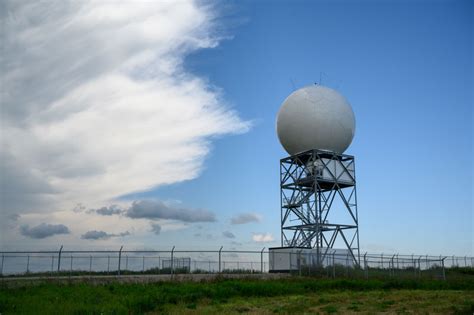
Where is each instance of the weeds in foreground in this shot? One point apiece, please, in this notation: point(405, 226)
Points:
point(242, 296)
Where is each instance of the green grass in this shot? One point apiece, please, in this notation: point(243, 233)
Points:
point(289, 296)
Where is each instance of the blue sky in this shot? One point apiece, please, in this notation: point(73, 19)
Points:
point(406, 68)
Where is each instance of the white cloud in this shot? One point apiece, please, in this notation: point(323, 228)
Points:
point(263, 238)
point(96, 103)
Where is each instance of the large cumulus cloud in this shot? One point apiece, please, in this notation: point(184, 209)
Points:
point(96, 102)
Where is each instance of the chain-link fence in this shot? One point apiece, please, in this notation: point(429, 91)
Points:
point(132, 262)
point(126, 262)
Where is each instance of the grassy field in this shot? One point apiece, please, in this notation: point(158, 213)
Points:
point(296, 295)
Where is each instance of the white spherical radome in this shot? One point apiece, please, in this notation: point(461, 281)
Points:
point(315, 117)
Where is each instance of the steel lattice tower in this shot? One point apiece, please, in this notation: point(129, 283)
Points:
point(313, 185)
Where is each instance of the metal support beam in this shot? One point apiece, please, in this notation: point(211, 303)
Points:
point(314, 185)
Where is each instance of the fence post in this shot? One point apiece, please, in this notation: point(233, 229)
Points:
point(90, 265)
point(366, 267)
point(1, 269)
point(398, 264)
point(334, 264)
point(347, 266)
point(299, 261)
point(70, 272)
point(120, 259)
point(108, 264)
point(381, 259)
point(59, 257)
point(419, 266)
point(261, 260)
point(172, 261)
point(126, 262)
point(392, 266)
point(290, 262)
point(28, 264)
point(444, 272)
point(465, 261)
point(328, 264)
point(220, 254)
point(143, 265)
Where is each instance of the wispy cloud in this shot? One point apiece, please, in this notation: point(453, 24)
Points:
point(155, 228)
point(244, 218)
point(263, 238)
point(101, 235)
point(78, 208)
point(43, 230)
point(13, 217)
point(111, 210)
point(96, 102)
point(228, 234)
point(152, 209)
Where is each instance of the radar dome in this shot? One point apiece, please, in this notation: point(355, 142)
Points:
point(315, 117)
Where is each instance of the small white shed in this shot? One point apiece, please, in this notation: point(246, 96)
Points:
point(286, 259)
